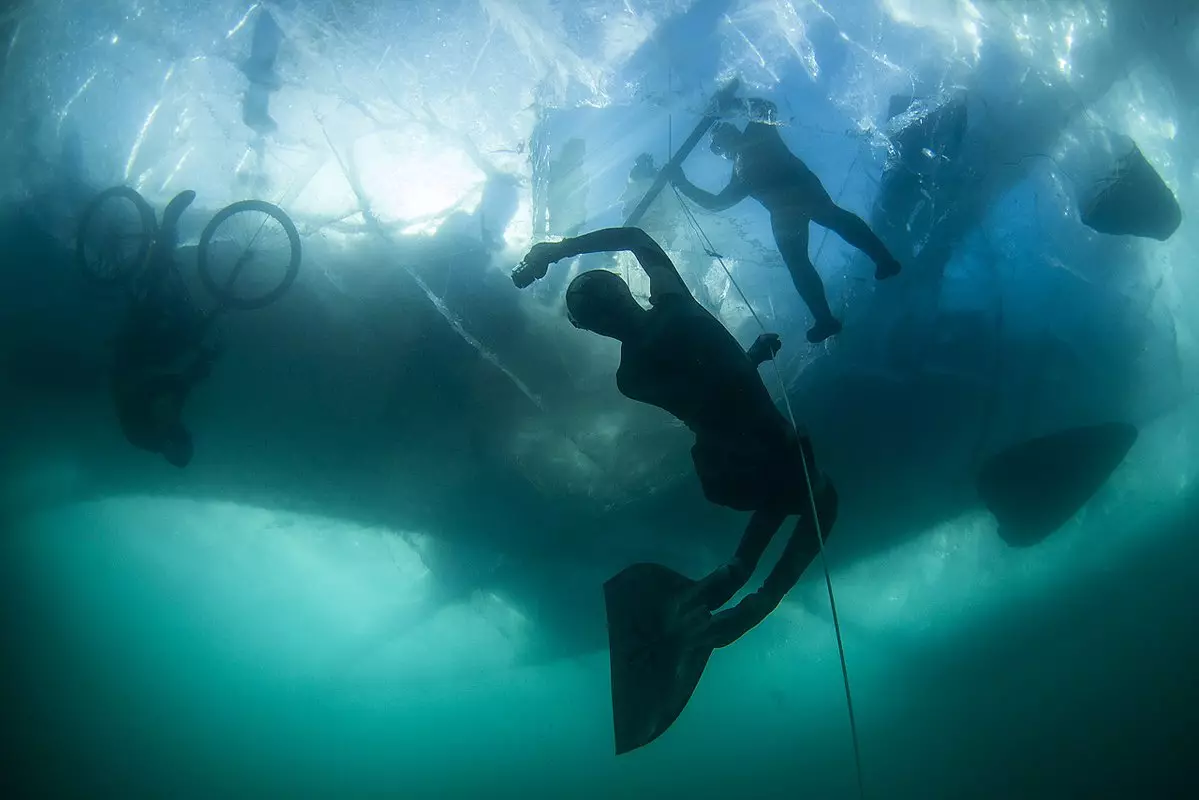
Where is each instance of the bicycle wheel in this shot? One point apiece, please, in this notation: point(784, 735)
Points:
point(116, 231)
point(249, 255)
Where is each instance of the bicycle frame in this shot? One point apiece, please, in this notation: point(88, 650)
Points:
point(144, 274)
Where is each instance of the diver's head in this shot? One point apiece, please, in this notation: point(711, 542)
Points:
point(725, 139)
point(177, 447)
point(600, 301)
point(643, 168)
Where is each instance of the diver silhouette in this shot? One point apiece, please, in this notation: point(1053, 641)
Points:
point(159, 351)
point(748, 457)
point(766, 170)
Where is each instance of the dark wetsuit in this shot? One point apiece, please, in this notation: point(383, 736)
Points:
point(159, 355)
point(747, 456)
point(766, 170)
point(149, 407)
point(158, 361)
point(688, 364)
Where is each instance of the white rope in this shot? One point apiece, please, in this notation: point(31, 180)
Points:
point(828, 579)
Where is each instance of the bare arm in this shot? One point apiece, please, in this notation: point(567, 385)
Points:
point(663, 277)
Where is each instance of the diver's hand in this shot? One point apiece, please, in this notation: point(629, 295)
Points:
point(764, 348)
point(535, 264)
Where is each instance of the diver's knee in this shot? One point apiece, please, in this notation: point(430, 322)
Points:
point(837, 219)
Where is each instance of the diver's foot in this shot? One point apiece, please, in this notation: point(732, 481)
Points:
point(824, 329)
point(886, 269)
point(691, 622)
point(728, 626)
point(720, 585)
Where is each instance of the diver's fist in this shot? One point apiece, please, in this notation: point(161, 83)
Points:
point(765, 347)
point(535, 264)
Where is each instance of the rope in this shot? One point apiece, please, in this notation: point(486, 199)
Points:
point(828, 579)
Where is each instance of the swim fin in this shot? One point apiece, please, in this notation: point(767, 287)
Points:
point(1036, 486)
point(656, 658)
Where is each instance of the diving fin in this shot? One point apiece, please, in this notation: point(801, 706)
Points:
point(1036, 486)
point(656, 664)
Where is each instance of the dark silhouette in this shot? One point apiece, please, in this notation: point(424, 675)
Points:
point(159, 353)
point(748, 457)
point(764, 169)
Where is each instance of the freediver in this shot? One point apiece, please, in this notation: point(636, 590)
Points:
point(259, 70)
point(766, 170)
point(748, 457)
point(159, 352)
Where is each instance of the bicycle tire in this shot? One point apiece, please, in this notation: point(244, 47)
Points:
point(227, 298)
point(149, 230)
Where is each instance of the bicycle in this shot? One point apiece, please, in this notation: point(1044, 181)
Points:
point(119, 241)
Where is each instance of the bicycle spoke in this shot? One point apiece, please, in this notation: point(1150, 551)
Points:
point(249, 254)
point(260, 245)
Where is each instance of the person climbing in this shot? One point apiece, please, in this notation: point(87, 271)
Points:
point(764, 169)
point(748, 457)
point(159, 352)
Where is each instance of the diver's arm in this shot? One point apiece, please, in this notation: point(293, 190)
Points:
point(663, 277)
point(730, 196)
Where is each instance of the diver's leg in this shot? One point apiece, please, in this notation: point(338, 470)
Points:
point(200, 367)
point(724, 582)
point(791, 238)
point(803, 547)
point(169, 391)
point(854, 230)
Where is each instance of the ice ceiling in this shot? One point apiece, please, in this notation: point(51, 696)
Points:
point(400, 107)
point(388, 117)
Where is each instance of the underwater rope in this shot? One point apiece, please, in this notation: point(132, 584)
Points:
point(828, 578)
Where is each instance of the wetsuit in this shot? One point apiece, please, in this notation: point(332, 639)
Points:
point(766, 170)
point(747, 456)
point(159, 356)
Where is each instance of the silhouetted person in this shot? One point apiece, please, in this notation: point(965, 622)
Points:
point(764, 169)
point(259, 69)
point(678, 357)
point(159, 352)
